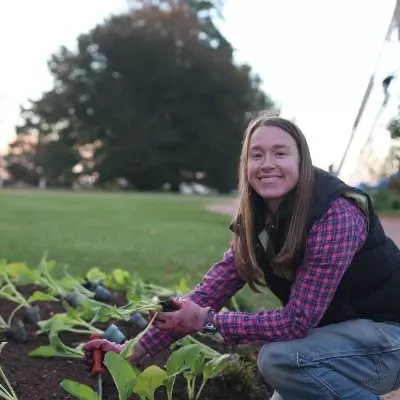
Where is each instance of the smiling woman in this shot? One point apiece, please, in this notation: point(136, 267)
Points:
point(273, 164)
point(315, 242)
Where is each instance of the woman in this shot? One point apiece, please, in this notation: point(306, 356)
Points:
point(320, 248)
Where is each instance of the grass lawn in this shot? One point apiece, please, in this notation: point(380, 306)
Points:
point(160, 237)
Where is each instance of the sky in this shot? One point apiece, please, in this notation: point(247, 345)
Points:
point(315, 57)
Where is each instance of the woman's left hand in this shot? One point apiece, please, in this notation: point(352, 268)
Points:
point(189, 318)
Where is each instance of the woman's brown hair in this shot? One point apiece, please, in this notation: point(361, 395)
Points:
point(244, 242)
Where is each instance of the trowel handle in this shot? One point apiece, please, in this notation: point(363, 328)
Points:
point(97, 367)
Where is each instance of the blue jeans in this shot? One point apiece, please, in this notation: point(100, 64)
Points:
point(357, 359)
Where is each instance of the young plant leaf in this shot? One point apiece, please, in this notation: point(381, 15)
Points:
point(22, 273)
point(118, 279)
point(128, 349)
point(78, 390)
point(40, 296)
point(183, 358)
point(95, 274)
point(122, 372)
point(216, 366)
point(48, 351)
point(149, 380)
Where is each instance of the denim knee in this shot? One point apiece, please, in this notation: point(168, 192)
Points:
point(274, 363)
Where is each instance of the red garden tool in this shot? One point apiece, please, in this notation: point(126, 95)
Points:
point(97, 367)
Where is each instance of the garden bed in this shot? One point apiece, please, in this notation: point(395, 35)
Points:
point(39, 378)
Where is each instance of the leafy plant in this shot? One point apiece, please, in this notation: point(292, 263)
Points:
point(57, 348)
point(10, 292)
point(79, 390)
point(62, 322)
point(6, 390)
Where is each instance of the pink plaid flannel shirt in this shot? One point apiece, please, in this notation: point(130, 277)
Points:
point(332, 243)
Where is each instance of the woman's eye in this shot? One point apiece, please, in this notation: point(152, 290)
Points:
point(256, 155)
point(280, 154)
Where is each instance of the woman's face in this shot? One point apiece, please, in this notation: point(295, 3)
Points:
point(273, 164)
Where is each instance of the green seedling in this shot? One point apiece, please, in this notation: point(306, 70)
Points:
point(118, 279)
point(71, 284)
point(62, 288)
point(57, 348)
point(64, 322)
point(79, 390)
point(211, 369)
point(22, 275)
point(128, 380)
point(45, 267)
point(6, 390)
point(191, 361)
point(10, 292)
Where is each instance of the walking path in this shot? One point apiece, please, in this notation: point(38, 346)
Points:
point(390, 225)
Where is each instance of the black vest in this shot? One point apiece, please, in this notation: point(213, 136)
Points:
point(370, 288)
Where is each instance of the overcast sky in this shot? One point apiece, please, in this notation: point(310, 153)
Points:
point(314, 56)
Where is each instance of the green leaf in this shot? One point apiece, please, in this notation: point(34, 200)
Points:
point(104, 314)
point(197, 365)
point(183, 358)
point(2, 344)
point(78, 390)
point(214, 367)
point(128, 349)
point(22, 272)
point(40, 296)
point(95, 274)
point(118, 279)
point(149, 380)
point(170, 386)
point(57, 344)
point(120, 276)
point(122, 372)
point(48, 351)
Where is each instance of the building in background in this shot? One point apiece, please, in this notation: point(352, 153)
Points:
point(370, 142)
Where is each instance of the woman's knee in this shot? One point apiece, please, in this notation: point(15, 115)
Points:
point(274, 362)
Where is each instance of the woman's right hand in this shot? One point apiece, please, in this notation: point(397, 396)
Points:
point(105, 346)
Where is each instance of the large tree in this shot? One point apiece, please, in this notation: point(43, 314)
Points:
point(156, 96)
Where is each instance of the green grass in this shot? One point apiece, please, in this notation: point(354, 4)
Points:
point(160, 237)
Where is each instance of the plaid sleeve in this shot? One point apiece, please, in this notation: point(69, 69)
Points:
point(220, 283)
point(332, 243)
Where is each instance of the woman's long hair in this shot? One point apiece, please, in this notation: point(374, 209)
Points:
point(244, 242)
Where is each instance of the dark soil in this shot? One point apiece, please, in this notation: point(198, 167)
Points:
point(37, 378)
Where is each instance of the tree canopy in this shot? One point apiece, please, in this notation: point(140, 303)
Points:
point(152, 96)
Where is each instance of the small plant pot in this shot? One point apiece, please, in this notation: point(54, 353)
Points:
point(91, 285)
point(138, 321)
point(17, 333)
point(114, 334)
point(73, 299)
point(32, 315)
point(102, 294)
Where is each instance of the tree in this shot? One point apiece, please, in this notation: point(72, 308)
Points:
point(20, 159)
point(155, 94)
point(30, 160)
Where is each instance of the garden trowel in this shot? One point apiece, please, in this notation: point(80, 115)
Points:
point(97, 367)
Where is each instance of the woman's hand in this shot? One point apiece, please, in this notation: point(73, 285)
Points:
point(106, 346)
point(189, 318)
point(139, 357)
